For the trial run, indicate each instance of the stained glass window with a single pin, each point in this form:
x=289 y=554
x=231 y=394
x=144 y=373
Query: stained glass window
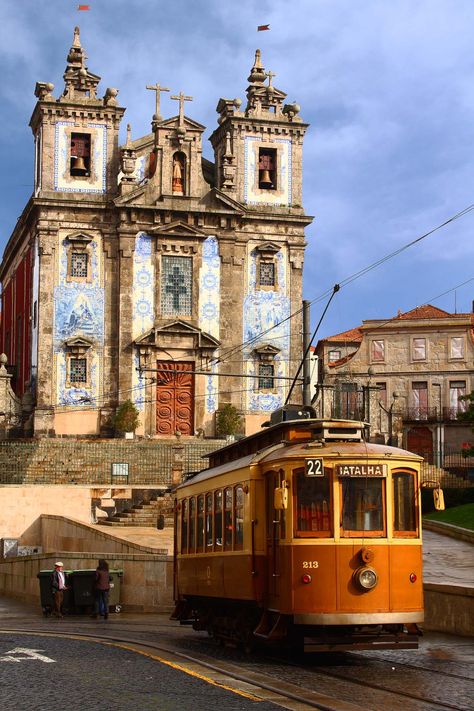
x=79 y=262
x=176 y=286
x=78 y=370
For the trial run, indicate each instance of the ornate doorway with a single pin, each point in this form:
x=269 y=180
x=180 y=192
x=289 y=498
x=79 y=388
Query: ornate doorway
x=174 y=398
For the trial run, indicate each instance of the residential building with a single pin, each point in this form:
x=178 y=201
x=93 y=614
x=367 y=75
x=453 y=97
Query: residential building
x=405 y=375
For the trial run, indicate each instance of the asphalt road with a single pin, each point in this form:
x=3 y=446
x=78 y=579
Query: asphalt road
x=40 y=673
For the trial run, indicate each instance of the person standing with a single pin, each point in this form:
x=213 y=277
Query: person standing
x=58 y=586
x=102 y=587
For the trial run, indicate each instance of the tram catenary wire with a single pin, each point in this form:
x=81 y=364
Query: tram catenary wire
x=349 y=280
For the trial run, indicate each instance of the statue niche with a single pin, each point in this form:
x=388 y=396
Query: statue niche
x=179 y=172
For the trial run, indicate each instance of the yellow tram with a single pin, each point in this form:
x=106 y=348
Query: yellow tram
x=303 y=532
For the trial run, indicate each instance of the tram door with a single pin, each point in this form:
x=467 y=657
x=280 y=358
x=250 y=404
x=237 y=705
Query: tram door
x=275 y=530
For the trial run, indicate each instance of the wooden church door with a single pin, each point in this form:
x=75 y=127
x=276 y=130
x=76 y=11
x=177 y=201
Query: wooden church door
x=175 y=398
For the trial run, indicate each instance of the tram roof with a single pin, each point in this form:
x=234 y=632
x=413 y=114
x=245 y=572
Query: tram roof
x=304 y=450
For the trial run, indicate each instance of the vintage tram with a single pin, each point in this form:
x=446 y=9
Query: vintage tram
x=303 y=532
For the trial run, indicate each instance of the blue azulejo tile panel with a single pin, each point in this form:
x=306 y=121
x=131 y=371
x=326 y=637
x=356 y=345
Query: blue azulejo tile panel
x=143 y=296
x=253 y=195
x=79 y=311
x=209 y=308
x=63 y=180
x=265 y=322
x=143 y=313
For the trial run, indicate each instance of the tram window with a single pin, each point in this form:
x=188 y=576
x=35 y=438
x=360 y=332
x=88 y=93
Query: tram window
x=238 y=518
x=192 y=524
x=228 y=519
x=209 y=527
x=362 y=506
x=200 y=522
x=404 y=504
x=313 y=505
x=218 y=518
x=184 y=526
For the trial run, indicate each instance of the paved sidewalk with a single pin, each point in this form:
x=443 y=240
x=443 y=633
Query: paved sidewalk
x=447 y=561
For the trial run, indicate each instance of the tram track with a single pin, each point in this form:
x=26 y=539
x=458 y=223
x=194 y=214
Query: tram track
x=277 y=681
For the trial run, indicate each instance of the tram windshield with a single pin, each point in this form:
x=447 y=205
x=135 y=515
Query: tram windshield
x=363 y=506
x=313 y=505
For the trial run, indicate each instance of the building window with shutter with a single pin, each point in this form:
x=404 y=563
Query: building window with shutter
x=419 y=398
x=377 y=353
x=266 y=373
x=266 y=273
x=456 y=348
x=267 y=174
x=418 y=349
x=80 y=162
x=79 y=264
x=457 y=390
x=334 y=356
x=78 y=370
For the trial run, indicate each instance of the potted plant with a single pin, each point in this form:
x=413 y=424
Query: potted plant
x=228 y=422
x=126 y=419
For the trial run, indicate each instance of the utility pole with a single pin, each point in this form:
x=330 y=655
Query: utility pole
x=306 y=354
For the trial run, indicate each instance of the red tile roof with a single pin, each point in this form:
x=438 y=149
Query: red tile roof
x=354 y=335
x=425 y=311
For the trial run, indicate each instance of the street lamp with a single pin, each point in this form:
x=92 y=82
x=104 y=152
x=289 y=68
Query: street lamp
x=389 y=412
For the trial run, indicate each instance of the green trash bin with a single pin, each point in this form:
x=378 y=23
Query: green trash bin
x=83 y=586
x=83 y=589
x=46 y=593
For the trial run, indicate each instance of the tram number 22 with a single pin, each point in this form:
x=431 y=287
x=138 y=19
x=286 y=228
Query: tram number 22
x=314 y=467
x=310 y=564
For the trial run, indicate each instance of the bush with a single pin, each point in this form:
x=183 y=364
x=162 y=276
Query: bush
x=126 y=419
x=228 y=421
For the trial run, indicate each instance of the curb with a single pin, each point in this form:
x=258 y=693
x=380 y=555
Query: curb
x=447 y=529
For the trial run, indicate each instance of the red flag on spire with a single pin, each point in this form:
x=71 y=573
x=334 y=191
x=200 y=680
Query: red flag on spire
x=83 y=7
x=261 y=28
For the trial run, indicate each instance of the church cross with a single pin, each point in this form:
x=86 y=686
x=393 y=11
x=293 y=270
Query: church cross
x=175 y=286
x=181 y=98
x=270 y=76
x=158 y=88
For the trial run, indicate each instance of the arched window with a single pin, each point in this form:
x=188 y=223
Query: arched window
x=179 y=174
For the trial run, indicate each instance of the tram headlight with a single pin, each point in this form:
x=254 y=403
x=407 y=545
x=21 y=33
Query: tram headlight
x=366 y=578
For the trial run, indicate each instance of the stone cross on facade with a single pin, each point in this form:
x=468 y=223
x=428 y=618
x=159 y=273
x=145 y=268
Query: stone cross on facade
x=270 y=76
x=158 y=89
x=181 y=98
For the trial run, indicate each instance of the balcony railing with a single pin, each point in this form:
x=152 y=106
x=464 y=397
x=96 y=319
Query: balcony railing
x=428 y=414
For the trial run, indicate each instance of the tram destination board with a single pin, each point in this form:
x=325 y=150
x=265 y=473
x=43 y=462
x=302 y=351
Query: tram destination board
x=361 y=470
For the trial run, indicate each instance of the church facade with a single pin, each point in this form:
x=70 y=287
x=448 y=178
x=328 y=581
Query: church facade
x=145 y=272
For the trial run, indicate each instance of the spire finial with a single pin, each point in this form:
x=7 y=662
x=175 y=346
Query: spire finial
x=77 y=39
x=129 y=134
x=257 y=73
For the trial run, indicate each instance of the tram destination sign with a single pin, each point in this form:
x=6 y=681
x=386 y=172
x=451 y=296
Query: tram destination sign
x=361 y=470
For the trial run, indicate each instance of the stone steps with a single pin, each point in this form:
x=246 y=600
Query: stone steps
x=144 y=514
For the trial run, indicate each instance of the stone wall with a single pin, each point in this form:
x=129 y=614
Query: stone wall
x=76 y=461
x=147 y=582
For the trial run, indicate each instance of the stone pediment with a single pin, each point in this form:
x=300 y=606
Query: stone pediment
x=78 y=345
x=221 y=197
x=187 y=123
x=131 y=197
x=175 y=333
x=178 y=229
x=266 y=352
x=181 y=328
x=268 y=248
x=79 y=237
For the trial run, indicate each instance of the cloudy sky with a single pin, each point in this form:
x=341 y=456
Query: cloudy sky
x=387 y=86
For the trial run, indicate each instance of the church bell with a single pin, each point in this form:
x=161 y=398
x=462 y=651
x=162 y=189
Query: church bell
x=78 y=165
x=265 y=180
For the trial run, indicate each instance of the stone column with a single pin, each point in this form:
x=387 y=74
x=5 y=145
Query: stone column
x=125 y=306
x=45 y=397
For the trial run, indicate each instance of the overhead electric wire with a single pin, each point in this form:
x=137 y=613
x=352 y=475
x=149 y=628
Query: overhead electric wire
x=344 y=282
